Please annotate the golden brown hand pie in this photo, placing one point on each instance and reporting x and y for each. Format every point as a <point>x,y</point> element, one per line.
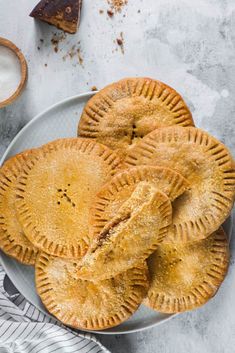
<point>130,237</point>
<point>55,192</point>
<point>125,111</point>
<point>205,163</point>
<point>185,276</point>
<point>87,305</point>
<point>12,239</point>
<point>112,195</point>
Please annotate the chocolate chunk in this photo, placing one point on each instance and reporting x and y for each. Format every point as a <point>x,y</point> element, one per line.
<point>110,13</point>
<point>63,14</point>
<point>119,41</point>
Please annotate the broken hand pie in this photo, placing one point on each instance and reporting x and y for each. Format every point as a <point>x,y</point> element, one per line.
<point>131,236</point>
<point>114,193</point>
<point>208,167</point>
<point>55,191</point>
<point>124,112</point>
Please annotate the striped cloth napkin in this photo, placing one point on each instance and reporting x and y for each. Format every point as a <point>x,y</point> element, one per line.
<point>24,329</point>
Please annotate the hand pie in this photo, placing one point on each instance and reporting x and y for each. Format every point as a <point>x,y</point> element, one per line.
<point>125,111</point>
<point>56,190</point>
<point>12,238</point>
<point>130,237</point>
<point>112,195</point>
<point>185,276</point>
<point>87,305</point>
<point>206,164</point>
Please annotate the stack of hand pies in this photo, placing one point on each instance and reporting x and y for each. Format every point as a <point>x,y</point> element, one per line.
<point>130,211</point>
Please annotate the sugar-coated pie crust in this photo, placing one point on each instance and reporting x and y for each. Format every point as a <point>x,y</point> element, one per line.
<point>88,305</point>
<point>207,165</point>
<point>56,190</point>
<point>185,276</point>
<point>124,112</point>
<point>12,238</point>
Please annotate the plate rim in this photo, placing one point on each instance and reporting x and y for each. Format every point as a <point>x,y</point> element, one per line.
<point>39,115</point>
<point>85,95</point>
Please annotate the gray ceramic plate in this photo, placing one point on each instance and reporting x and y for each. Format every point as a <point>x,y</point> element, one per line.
<point>58,121</point>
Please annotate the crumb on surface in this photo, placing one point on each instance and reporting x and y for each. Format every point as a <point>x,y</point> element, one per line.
<point>80,58</point>
<point>45,64</point>
<point>56,39</point>
<point>101,12</point>
<point>94,88</point>
<point>117,5</point>
<point>38,48</point>
<point>120,42</point>
<point>110,13</point>
<point>67,49</point>
<point>74,52</point>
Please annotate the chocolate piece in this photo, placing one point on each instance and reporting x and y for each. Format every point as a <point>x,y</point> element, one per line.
<point>110,13</point>
<point>63,14</point>
<point>119,41</point>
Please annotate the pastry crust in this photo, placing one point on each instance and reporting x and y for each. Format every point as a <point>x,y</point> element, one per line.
<point>130,236</point>
<point>87,305</point>
<point>114,193</point>
<point>12,238</point>
<point>185,276</point>
<point>122,113</point>
<point>56,190</point>
<point>209,168</point>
